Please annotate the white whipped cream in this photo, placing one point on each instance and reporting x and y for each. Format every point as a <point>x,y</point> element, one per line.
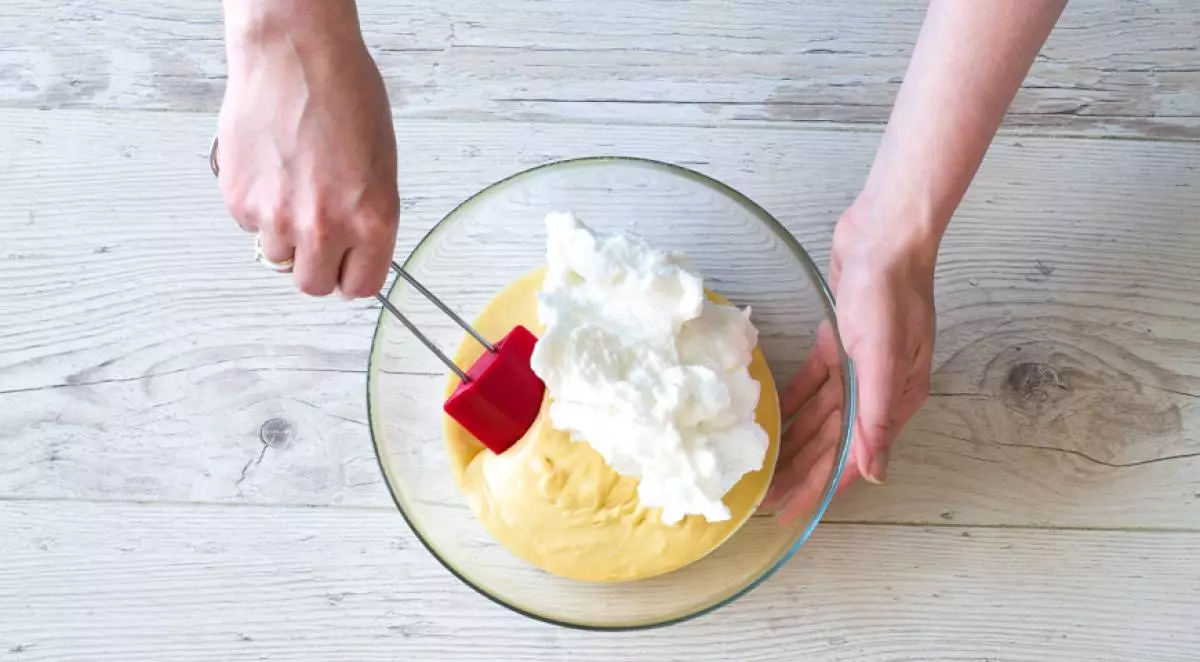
<point>645,369</point>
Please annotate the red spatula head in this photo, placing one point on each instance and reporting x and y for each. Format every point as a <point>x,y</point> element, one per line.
<point>503,396</point>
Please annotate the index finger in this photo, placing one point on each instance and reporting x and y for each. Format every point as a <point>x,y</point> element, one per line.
<point>364,271</point>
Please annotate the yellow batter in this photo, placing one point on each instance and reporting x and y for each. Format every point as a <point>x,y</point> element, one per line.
<point>556,504</point>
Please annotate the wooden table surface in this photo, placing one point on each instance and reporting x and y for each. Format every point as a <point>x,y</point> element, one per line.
<point>1044,506</point>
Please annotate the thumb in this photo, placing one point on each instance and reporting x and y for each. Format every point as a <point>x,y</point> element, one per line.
<point>876,424</point>
<point>871,457</point>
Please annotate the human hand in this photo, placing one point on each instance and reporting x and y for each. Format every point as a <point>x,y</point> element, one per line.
<point>307,150</point>
<point>883,286</point>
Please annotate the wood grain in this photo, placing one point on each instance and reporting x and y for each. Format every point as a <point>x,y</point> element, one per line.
<point>142,352</point>
<point>133,583</point>
<point>1112,67</point>
<point>1045,506</point>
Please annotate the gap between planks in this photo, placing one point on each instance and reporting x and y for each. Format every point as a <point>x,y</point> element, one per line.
<point>910,524</point>
<point>868,126</point>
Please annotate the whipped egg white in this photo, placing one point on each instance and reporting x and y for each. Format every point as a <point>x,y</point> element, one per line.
<point>641,365</point>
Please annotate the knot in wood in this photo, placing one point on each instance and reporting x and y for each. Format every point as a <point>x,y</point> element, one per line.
<point>1033,386</point>
<point>275,432</point>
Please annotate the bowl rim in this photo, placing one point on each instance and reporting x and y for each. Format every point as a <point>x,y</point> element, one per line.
<point>849,384</point>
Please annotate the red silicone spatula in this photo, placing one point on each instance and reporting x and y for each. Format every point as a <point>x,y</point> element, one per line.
<point>499,396</point>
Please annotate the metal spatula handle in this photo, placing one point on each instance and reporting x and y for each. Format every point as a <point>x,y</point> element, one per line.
<point>441,306</point>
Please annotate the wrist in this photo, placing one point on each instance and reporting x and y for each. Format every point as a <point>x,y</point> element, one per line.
<point>285,26</point>
<point>888,231</point>
<point>909,220</point>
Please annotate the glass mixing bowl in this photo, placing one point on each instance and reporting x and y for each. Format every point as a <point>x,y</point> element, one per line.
<point>497,236</point>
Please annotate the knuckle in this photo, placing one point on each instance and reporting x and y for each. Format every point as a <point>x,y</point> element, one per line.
<point>238,208</point>
<point>309,284</point>
<point>320,230</point>
<point>373,241</point>
<point>383,201</point>
<point>379,216</point>
<point>275,217</point>
<point>358,289</point>
<point>389,212</point>
<point>877,433</point>
<point>361,283</point>
<point>238,204</point>
<point>370,231</point>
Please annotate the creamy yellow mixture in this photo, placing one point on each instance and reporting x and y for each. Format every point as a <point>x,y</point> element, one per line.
<point>556,504</point>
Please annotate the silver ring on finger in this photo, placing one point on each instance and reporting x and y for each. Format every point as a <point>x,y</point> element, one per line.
<point>213,161</point>
<point>281,267</point>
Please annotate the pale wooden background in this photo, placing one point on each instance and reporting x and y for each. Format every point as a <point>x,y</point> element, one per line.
<point>1044,506</point>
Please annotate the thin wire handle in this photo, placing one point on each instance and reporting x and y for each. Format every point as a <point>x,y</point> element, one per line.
<point>421,336</point>
<point>443,307</point>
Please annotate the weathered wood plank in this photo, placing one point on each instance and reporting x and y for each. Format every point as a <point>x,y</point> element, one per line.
<point>133,583</point>
<point>1112,67</point>
<point>141,350</point>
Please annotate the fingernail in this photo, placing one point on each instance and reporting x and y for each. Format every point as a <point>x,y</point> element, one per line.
<point>877,468</point>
